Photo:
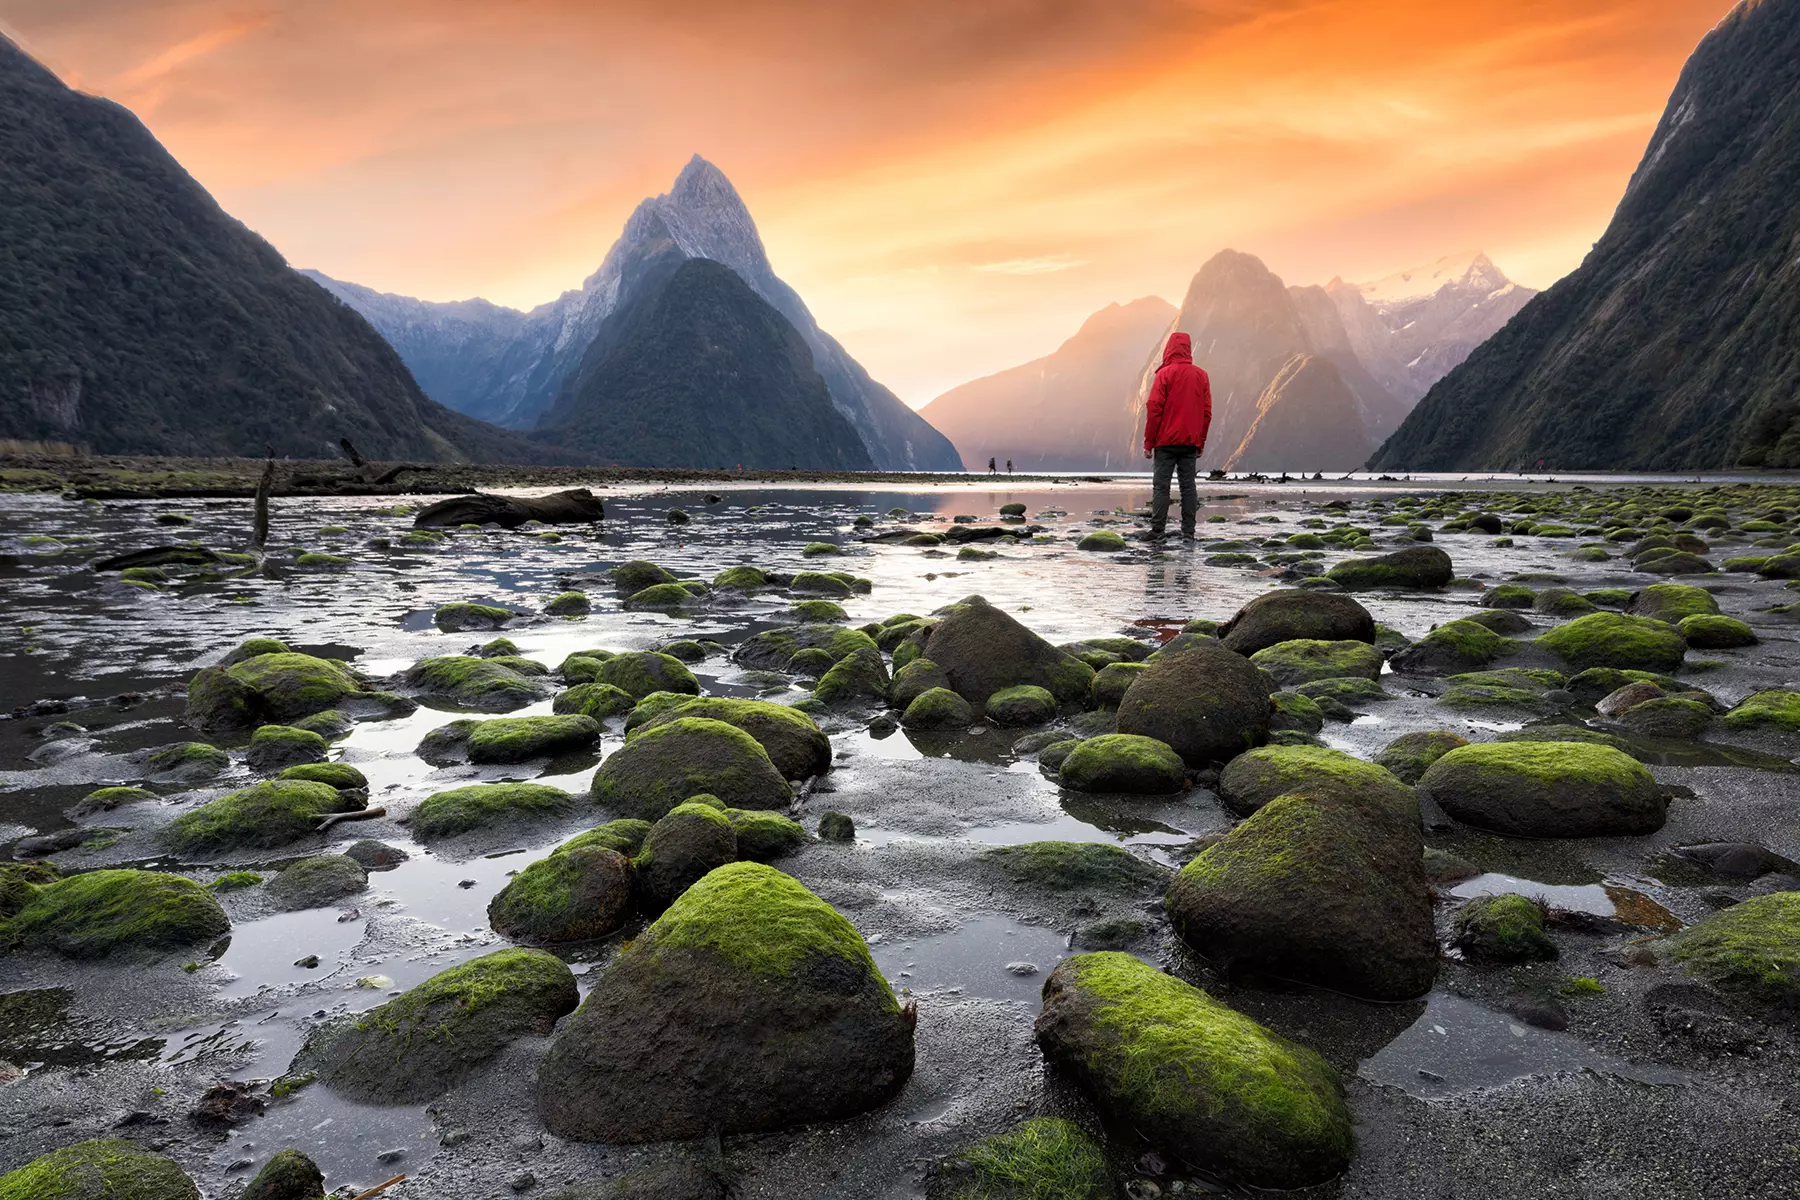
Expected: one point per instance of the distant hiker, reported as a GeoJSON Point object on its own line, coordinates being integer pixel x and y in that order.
{"type": "Point", "coordinates": [991, 467]}
{"type": "Point", "coordinates": [1009, 466]}
{"type": "Point", "coordinates": [1176, 419]}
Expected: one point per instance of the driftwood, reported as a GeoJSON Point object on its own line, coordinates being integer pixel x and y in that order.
{"type": "Point", "coordinates": [379, 1188]}
{"type": "Point", "coordinates": [361, 814]}
{"type": "Point", "coordinates": [575, 507]}
{"type": "Point", "coordinates": [160, 556]}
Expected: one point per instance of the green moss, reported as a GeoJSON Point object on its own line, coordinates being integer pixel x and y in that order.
{"type": "Point", "coordinates": [330, 724]}
{"type": "Point", "coordinates": [455, 618]}
{"type": "Point", "coordinates": [276, 746]}
{"type": "Point", "coordinates": [763, 835]}
{"type": "Point", "coordinates": [938, 708]}
{"type": "Point", "coordinates": [596, 700]}
{"type": "Point", "coordinates": [1407, 756]}
{"type": "Point", "coordinates": [1102, 541]}
{"type": "Point", "coordinates": [108, 798]}
{"type": "Point", "coordinates": [1713, 632]}
{"type": "Point", "coordinates": [740, 578]}
{"type": "Point", "coordinates": [1508, 595]}
{"type": "Point", "coordinates": [1608, 597]}
{"type": "Point", "coordinates": [1183, 1054]}
{"type": "Point", "coordinates": [819, 549]}
{"type": "Point", "coordinates": [102, 1169]}
{"type": "Point", "coordinates": [465, 989]}
{"type": "Point", "coordinates": [232, 881]}
{"type": "Point", "coordinates": [1045, 1158]}
{"type": "Point", "coordinates": [253, 648]}
{"type": "Point", "coordinates": [1123, 763]}
{"type": "Point", "coordinates": [1582, 986]}
{"type": "Point", "coordinates": [1065, 866]}
{"type": "Point", "coordinates": [641, 672]}
{"type": "Point", "coordinates": [635, 576]}
{"type": "Point", "coordinates": [1606, 639]}
{"type": "Point", "coordinates": [262, 816]}
{"type": "Point", "coordinates": [1549, 765]}
{"type": "Point", "coordinates": [662, 595]}
{"type": "Point", "coordinates": [1506, 928]}
{"type": "Point", "coordinates": [765, 923]}
{"type": "Point", "coordinates": [333, 774]}
{"type": "Point", "coordinates": [274, 686]}
{"type": "Point", "coordinates": [473, 682]}
{"type": "Point", "coordinates": [1024, 704]}
{"type": "Point", "coordinates": [1292, 711]}
{"type": "Point", "coordinates": [1344, 691]}
{"type": "Point", "coordinates": [1111, 682]}
{"type": "Point", "coordinates": [96, 913]}
{"type": "Point", "coordinates": [1672, 601]}
{"type": "Point", "coordinates": [1752, 948]}
{"type": "Point", "coordinates": [655, 705]}
{"type": "Point", "coordinates": [517, 739]}
{"type": "Point", "coordinates": [568, 604]}
{"type": "Point", "coordinates": [856, 678]}
{"type": "Point", "coordinates": [1775, 708]}
{"type": "Point", "coordinates": [462, 809]}
{"type": "Point", "coordinates": [1256, 777]}
{"type": "Point", "coordinates": [689, 756]}
{"type": "Point", "coordinates": [1305, 660]}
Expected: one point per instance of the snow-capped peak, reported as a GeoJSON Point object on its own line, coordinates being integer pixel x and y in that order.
{"type": "Point", "coordinates": [1471, 268]}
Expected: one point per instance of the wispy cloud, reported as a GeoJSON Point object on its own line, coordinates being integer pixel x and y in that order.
{"type": "Point", "coordinates": [1043, 265]}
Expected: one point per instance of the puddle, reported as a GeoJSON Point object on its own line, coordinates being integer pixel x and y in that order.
{"type": "Point", "coordinates": [1460, 1046]}
{"type": "Point", "coordinates": [1585, 898]}
{"type": "Point", "coordinates": [973, 960]}
{"type": "Point", "coordinates": [37, 1031]}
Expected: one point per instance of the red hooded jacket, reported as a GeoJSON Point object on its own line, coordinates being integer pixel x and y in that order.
{"type": "Point", "coordinates": [1179, 411]}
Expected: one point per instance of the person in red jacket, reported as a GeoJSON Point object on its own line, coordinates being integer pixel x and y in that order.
{"type": "Point", "coordinates": [1176, 419]}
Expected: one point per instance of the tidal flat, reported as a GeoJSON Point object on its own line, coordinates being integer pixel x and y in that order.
{"type": "Point", "coordinates": [1624, 1029]}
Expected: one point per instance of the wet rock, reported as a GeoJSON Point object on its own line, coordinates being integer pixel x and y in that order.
{"type": "Point", "coordinates": [819, 610]}
{"type": "Point", "coordinates": [56, 842]}
{"type": "Point", "coordinates": [1292, 712]}
{"type": "Point", "coordinates": [317, 881]}
{"type": "Point", "coordinates": [458, 618]}
{"type": "Point", "coordinates": [1112, 681]}
{"type": "Point", "coordinates": [521, 739]}
{"type": "Point", "coordinates": [1044, 1156]}
{"type": "Point", "coordinates": [275, 747]}
{"type": "Point", "coordinates": [268, 688]}
{"type": "Point", "coordinates": [596, 700]}
{"type": "Point", "coordinates": [1508, 595]}
{"type": "Point", "coordinates": [376, 856]}
{"type": "Point", "coordinates": [1503, 621]}
{"type": "Point", "coordinates": [1452, 649]}
{"type": "Point", "coordinates": [1296, 662]}
{"type": "Point", "coordinates": [1123, 763]}
{"type": "Point", "coordinates": [1596, 683]}
{"type": "Point", "coordinates": [102, 1169]}
{"type": "Point", "coordinates": [665, 597]}
{"type": "Point", "coordinates": [1750, 950]}
{"type": "Point", "coordinates": [836, 827]}
{"type": "Point", "coordinates": [626, 835]}
{"type": "Point", "coordinates": [1671, 717]}
{"type": "Point", "coordinates": [1101, 540]}
{"type": "Point", "coordinates": [1407, 756]}
{"type": "Point", "coordinates": [740, 578]}
{"type": "Point", "coordinates": [1441, 866]}
{"type": "Point", "coordinates": [289, 1175]}
{"type": "Point", "coordinates": [423, 1042]}
{"type": "Point", "coordinates": [774, 649]}
{"type": "Point", "coordinates": [1704, 632]}
{"type": "Point", "coordinates": [641, 672]}
{"type": "Point", "coordinates": [1614, 703]}
{"type": "Point", "coordinates": [1094, 867]}
{"type": "Point", "coordinates": [1545, 790]}
{"type": "Point", "coordinates": [750, 1005]}
{"type": "Point", "coordinates": [447, 744]}
{"type": "Point", "coordinates": [481, 805]}
{"type": "Point", "coordinates": [262, 816]}
{"type": "Point", "coordinates": [1734, 860]}
{"type": "Point", "coordinates": [226, 1105]}
{"type": "Point", "coordinates": [1562, 602]}
{"type": "Point", "coordinates": [106, 799]}
{"type": "Point", "coordinates": [1502, 929]}
{"type": "Point", "coordinates": [1342, 691]}
{"type": "Point", "coordinates": [682, 848]}
{"type": "Point", "coordinates": [578, 894]}
{"type": "Point", "coordinates": [477, 683]}
{"type": "Point", "coordinates": [689, 756]}
{"type": "Point", "coordinates": [1021, 705]}
{"type": "Point", "coordinates": [1293, 615]}
{"type": "Point", "coordinates": [859, 678]}
{"type": "Point", "coordinates": [341, 776]}
{"type": "Point", "coordinates": [664, 1181]}
{"type": "Point", "coordinates": [99, 913]}
{"type": "Point", "coordinates": [1254, 778]}
{"type": "Point", "coordinates": [577, 506]}
{"type": "Point", "coordinates": [916, 678]}
{"type": "Point", "coordinates": [568, 604]}
{"type": "Point", "coordinates": [1326, 888]}
{"type": "Point", "coordinates": [984, 650]}
{"type": "Point", "coordinates": [792, 740]}
{"type": "Point", "coordinates": [763, 836]}
{"type": "Point", "coordinates": [938, 709]}
{"type": "Point", "coordinates": [188, 762]}
{"type": "Point", "coordinates": [1200, 1082]}
{"type": "Point", "coordinates": [1206, 702]}
{"type": "Point", "coordinates": [1776, 708]}
{"type": "Point", "coordinates": [1416, 568]}
{"type": "Point", "coordinates": [1671, 602]}
{"type": "Point", "coordinates": [1606, 639]}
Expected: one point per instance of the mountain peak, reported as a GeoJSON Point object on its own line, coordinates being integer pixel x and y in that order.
{"type": "Point", "coordinates": [701, 180]}
{"type": "Point", "coordinates": [1471, 267]}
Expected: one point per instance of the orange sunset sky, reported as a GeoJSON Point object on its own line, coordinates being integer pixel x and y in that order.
{"type": "Point", "coordinates": [953, 185]}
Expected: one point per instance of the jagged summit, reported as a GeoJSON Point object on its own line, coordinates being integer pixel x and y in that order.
{"type": "Point", "coordinates": [1471, 270]}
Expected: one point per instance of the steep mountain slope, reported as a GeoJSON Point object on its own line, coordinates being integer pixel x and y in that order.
{"type": "Point", "coordinates": [696, 370]}
{"type": "Point", "coordinates": [1307, 419]}
{"type": "Point", "coordinates": [1676, 343]}
{"type": "Point", "coordinates": [513, 373]}
{"type": "Point", "coordinates": [137, 317]}
{"type": "Point", "coordinates": [1380, 409]}
{"type": "Point", "coordinates": [1066, 411]}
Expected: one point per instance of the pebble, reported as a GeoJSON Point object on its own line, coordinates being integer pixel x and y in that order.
{"type": "Point", "coordinates": [1021, 968]}
{"type": "Point", "coordinates": [522, 1182]}
{"type": "Point", "coordinates": [390, 1156]}
{"type": "Point", "coordinates": [309, 962]}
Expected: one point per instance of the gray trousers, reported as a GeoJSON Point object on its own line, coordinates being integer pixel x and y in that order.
{"type": "Point", "coordinates": [1169, 461]}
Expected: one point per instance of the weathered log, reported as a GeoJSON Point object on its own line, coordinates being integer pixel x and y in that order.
{"type": "Point", "coordinates": [574, 507]}
{"type": "Point", "coordinates": [160, 556]}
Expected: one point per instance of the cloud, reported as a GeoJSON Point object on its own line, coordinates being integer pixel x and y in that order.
{"type": "Point", "coordinates": [1043, 265]}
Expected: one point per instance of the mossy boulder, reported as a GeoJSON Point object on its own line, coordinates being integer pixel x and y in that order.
{"type": "Point", "coordinates": [939, 709]}
{"type": "Point", "coordinates": [568, 604]}
{"type": "Point", "coordinates": [1547, 790]}
{"type": "Point", "coordinates": [1201, 1083]}
{"type": "Point", "coordinates": [819, 584]}
{"type": "Point", "coordinates": [859, 678]}
{"type": "Point", "coordinates": [1112, 681]}
{"type": "Point", "coordinates": [101, 1169]}
{"type": "Point", "coordinates": [750, 1005]}
{"type": "Point", "coordinates": [261, 817]}
{"type": "Point", "coordinates": [641, 672]}
{"type": "Point", "coordinates": [476, 683]}
{"type": "Point", "coordinates": [267, 688]}
{"type": "Point", "coordinates": [1503, 621]}
{"type": "Point", "coordinates": [1607, 639]}
{"type": "Point", "coordinates": [1342, 691]}
{"type": "Point", "coordinates": [1502, 929]}
{"type": "Point", "coordinates": [1095, 867]}
{"type": "Point", "coordinates": [1416, 568]}
{"type": "Point", "coordinates": [683, 846]}
{"type": "Point", "coordinates": [99, 913]}
{"type": "Point", "coordinates": [580, 893]}
{"type": "Point", "coordinates": [1206, 702]}
{"type": "Point", "coordinates": [626, 835]}
{"type": "Point", "coordinates": [1562, 602]}
{"type": "Point", "coordinates": [740, 578]}
{"type": "Point", "coordinates": [984, 650]}
{"type": "Point", "coordinates": [462, 617]}
{"type": "Point", "coordinates": [1407, 756]}
{"type": "Point", "coordinates": [1672, 601]}
{"type": "Point", "coordinates": [1104, 541]}
{"type": "Point", "coordinates": [819, 610]}
{"type": "Point", "coordinates": [792, 740]}
{"type": "Point", "coordinates": [188, 762]}
{"type": "Point", "coordinates": [689, 756]}
{"type": "Point", "coordinates": [1774, 708]}
{"type": "Point", "coordinates": [1751, 950]}
{"type": "Point", "coordinates": [341, 776]}
{"type": "Point", "coordinates": [289, 1175]}
{"type": "Point", "coordinates": [1297, 615]}
{"type": "Point", "coordinates": [1508, 595]}
{"type": "Point", "coordinates": [763, 835]}
{"type": "Point", "coordinates": [596, 700]}
{"type": "Point", "coordinates": [774, 649]}
{"type": "Point", "coordinates": [1704, 631]}
{"type": "Point", "coordinates": [1254, 778]}
{"type": "Point", "coordinates": [480, 805]}
{"type": "Point", "coordinates": [274, 748]}
{"type": "Point", "coordinates": [1667, 717]}
{"type": "Point", "coordinates": [253, 647]}
{"type": "Point", "coordinates": [1452, 649]}
{"type": "Point", "coordinates": [431, 1037]}
{"type": "Point", "coordinates": [914, 680]}
{"type": "Point", "coordinates": [1303, 661]}
{"type": "Point", "coordinates": [636, 575]}
{"type": "Point", "coordinates": [1021, 705]}
{"type": "Point", "coordinates": [521, 739]}
{"type": "Point", "coordinates": [1044, 1158]}
{"type": "Point", "coordinates": [1123, 763]}
{"type": "Point", "coordinates": [662, 596]}
{"type": "Point", "coordinates": [1290, 712]}
{"type": "Point", "coordinates": [1323, 887]}
{"type": "Point", "coordinates": [322, 879]}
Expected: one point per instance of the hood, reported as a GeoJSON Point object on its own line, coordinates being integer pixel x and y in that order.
{"type": "Point", "coordinates": [1179, 350]}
